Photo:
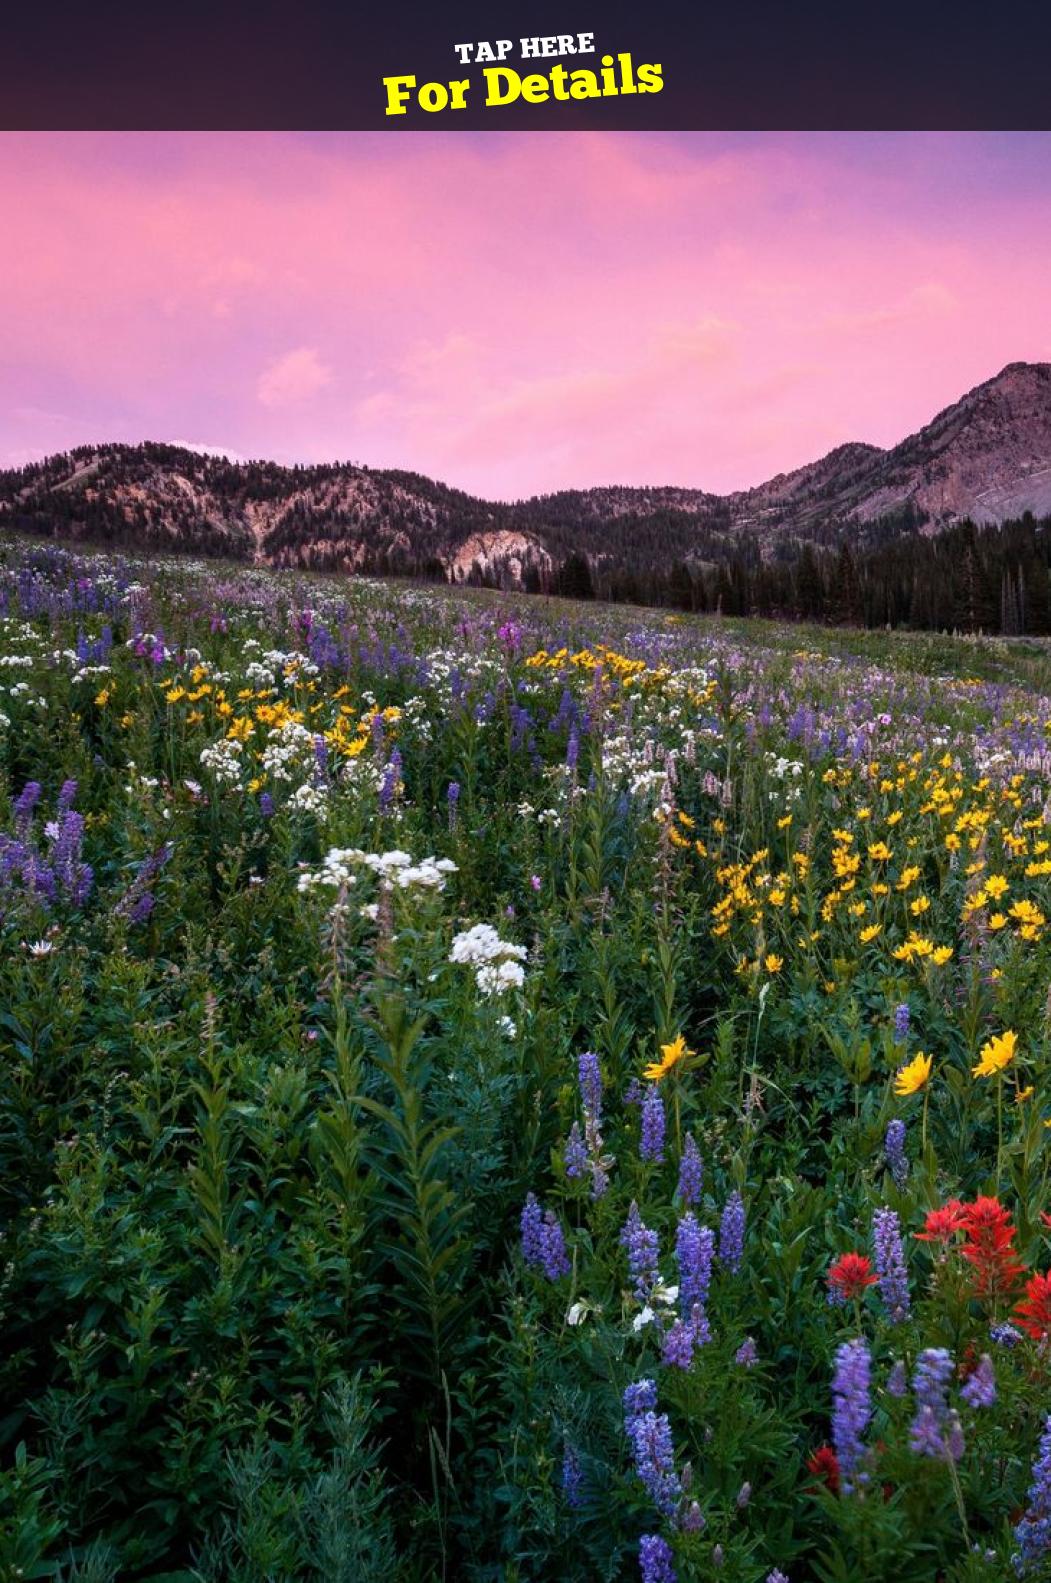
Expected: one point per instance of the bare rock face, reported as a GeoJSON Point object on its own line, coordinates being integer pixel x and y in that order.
{"type": "Point", "coordinates": [987, 458]}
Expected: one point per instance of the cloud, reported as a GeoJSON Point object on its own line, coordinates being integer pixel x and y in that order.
{"type": "Point", "coordinates": [515, 312]}
{"type": "Point", "coordinates": [202, 449]}
{"type": "Point", "coordinates": [293, 378]}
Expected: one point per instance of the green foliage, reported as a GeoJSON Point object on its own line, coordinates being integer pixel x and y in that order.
{"type": "Point", "coordinates": [268, 1118]}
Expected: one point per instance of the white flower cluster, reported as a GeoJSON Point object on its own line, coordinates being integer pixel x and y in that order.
{"type": "Point", "coordinates": [785, 769]}
{"type": "Point", "coordinates": [497, 963]}
{"type": "Point", "coordinates": [310, 799]}
{"type": "Point", "coordinates": [257, 675]}
{"type": "Point", "coordinates": [362, 772]}
{"type": "Point", "coordinates": [223, 758]}
{"type": "Point", "coordinates": [287, 748]}
{"type": "Point", "coordinates": [395, 870]}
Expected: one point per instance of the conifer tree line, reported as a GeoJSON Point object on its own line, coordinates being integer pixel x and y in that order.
{"type": "Point", "coordinates": [621, 546]}
{"type": "Point", "coordinates": [964, 579]}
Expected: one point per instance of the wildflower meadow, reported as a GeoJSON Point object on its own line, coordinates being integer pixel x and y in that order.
{"type": "Point", "coordinates": [501, 1089]}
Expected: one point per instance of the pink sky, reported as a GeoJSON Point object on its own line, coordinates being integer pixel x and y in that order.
{"type": "Point", "coordinates": [514, 313]}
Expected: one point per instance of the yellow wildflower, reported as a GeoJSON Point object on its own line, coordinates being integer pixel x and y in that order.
{"type": "Point", "coordinates": [671, 1055]}
{"type": "Point", "coordinates": [913, 1076]}
{"type": "Point", "coordinates": [995, 1055]}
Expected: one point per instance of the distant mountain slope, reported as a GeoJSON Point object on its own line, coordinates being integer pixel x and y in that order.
{"type": "Point", "coordinates": [986, 458]}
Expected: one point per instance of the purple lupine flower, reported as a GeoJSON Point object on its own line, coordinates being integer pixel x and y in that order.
{"type": "Point", "coordinates": [655, 1560]}
{"type": "Point", "coordinates": [138, 900]}
{"type": "Point", "coordinates": [890, 1264]}
{"type": "Point", "coordinates": [894, 1152]}
{"type": "Point", "coordinates": [452, 797]}
{"type": "Point", "coordinates": [677, 1346]}
{"type": "Point", "coordinates": [266, 805]}
{"type": "Point", "coordinates": [930, 1384]}
{"type": "Point", "coordinates": [925, 1433]}
{"type": "Point", "coordinates": [954, 1441]}
{"type": "Point", "coordinates": [651, 1138]}
{"type": "Point", "coordinates": [693, 1518]}
{"type": "Point", "coordinates": [731, 1233]}
{"type": "Point", "coordinates": [777, 1576]}
{"type": "Point", "coordinates": [694, 1252]}
{"type": "Point", "coordinates": [589, 1080]}
{"type": "Point", "coordinates": [599, 1163]}
{"type": "Point", "coordinates": [901, 1022]}
{"type": "Point", "coordinates": [142, 909]}
{"type": "Point", "coordinates": [1033, 1531]}
{"type": "Point", "coordinates": [1005, 1335]}
{"type": "Point", "coordinates": [654, 1456]}
{"type": "Point", "coordinates": [572, 1476]}
{"type": "Point", "coordinates": [575, 1154]}
{"type": "Point", "coordinates": [979, 1389]}
{"type": "Point", "coordinates": [639, 1398]}
{"type": "Point", "coordinates": [391, 777]}
{"type": "Point", "coordinates": [24, 805]}
{"type": "Point", "coordinates": [572, 750]}
{"type": "Point", "coordinates": [897, 1381]}
{"type": "Point", "coordinates": [633, 1092]}
{"type": "Point", "coordinates": [532, 1228]}
{"type": "Point", "coordinates": [643, 1250]}
{"type": "Point", "coordinates": [67, 797]}
{"type": "Point", "coordinates": [851, 1411]}
{"type": "Point", "coordinates": [589, 1076]}
{"type": "Point", "coordinates": [691, 1172]}
{"type": "Point", "coordinates": [747, 1354]}
{"type": "Point", "coordinates": [74, 876]}
{"type": "Point", "coordinates": [553, 1255]}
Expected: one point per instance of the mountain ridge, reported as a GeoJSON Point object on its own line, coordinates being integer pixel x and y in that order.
{"type": "Point", "coordinates": [984, 458]}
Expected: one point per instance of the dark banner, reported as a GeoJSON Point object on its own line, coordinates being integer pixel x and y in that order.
{"type": "Point", "coordinates": [571, 65]}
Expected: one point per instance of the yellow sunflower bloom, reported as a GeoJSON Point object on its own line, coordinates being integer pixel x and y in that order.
{"type": "Point", "coordinates": [671, 1055]}
{"type": "Point", "coordinates": [913, 1076]}
{"type": "Point", "coordinates": [995, 1055]}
